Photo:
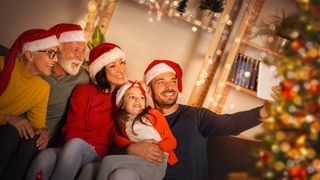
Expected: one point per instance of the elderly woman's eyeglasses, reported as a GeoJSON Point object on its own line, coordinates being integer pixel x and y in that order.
{"type": "Point", "coordinates": [51, 53]}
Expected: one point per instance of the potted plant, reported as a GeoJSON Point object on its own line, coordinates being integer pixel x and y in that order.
{"type": "Point", "coordinates": [277, 31]}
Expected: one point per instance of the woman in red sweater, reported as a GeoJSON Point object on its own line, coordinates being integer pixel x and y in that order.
{"type": "Point", "coordinates": [90, 117]}
{"type": "Point", "coordinates": [135, 123]}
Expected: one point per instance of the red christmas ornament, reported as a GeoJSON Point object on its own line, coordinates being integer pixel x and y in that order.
{"type": "Point", "coordinates": [297, 173]}
{"type": "Point", "coordinates": [314, 87]}
{"type": "Point", "coordinates": [315, 10]}
{"type": "Point", "coordinates": [297, 44]}
{"type": "Point", "coordinates": [266, 157]}
{"type": "Point", "coordinates": [288, 83]}
{"type": "Point", "coordinates": [314, 108]}
{"type": "Point", "coordinates": [288, 94]}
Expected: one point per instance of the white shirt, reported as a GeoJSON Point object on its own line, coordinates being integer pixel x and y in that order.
{"type": "Point", "coordinates": [142, 131]}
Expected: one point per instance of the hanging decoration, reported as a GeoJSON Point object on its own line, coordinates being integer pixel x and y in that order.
{"type": "Point", "coordinates": [182, 6]}
{"type": "Point", "coordinates": [97, 38]}
{"type": "Point", "coordinates": [177, 9]}
{"type": "Point", "coordinates": [216, 6]}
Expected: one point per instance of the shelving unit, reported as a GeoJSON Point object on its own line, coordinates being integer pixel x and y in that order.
{"type": "Point", "coordinates": [239, 44]}
{"type": "Point", "coordinates": [241, 89]}
{"type": "Point", "coordinates": [256, 46]}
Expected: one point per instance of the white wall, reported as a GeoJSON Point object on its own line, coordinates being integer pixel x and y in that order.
{"type": "Point", "coordinates": [18, 15]}
{"type": "Point", "coordinates": [166, 39]}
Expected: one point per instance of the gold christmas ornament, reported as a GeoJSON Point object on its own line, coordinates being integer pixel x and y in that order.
{"type": "Point", "coordinates": [293, 153]}
{"type": "Point", "coordinates": [279, 166]}
{"type": "Point", "coordinates": [311, 153]}
{"type": "Point", "coordinates": [280, 136]}
{"type": "Point", "coordinates": [314, 136]}
{"type": "Point", "coordinates": [313, 52]}
{"type": "Point", "coordinates": [285, 146]}
{"type": "Point", "coordinates": [297, 100]}
{"type": "Point", "coordinates": [275, 148]}
{"type": "Point", "coordinates": [301, 140]}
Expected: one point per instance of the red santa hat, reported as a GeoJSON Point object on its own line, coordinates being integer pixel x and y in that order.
{"type": "Point", "coordinates": [30, 40]}
{"type": "Point", "coordinates": [123, 89]}
{"type": "Point", "coordinates": [157, 67]}
{"type": "Point", "coordinates": [102, 55]}
{"type": "Point", "coordinates": [68, 33]}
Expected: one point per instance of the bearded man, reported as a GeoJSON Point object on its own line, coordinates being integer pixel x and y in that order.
{"type": "Point", "coordinates": [66, 74]}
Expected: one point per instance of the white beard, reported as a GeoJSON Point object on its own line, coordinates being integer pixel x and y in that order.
{"type": "Point", "coordinates": [67, 65]}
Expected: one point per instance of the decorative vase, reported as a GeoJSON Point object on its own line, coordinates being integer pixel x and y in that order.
{"type": "Point", "coordinates": [277, 43]}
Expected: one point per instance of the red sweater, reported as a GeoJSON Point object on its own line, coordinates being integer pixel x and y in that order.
{"type": "Point", "coordinates": [168, 143]}
{"type": "Point", "coordinates": [91, 117]}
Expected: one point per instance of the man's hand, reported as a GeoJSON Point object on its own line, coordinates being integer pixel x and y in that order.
{"type": "Point", "coordinates": [264, 112]}
{"type": "Point", "coordinates": [22, 125]}
{"type": "Point", "coordinates": [275, 92]}
{"type": "Point", "coordinates": [43, 139]}
{"type": "Point", "coordinates": [147, 149]}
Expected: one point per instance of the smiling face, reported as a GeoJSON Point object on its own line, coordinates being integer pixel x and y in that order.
{"type": "Point", "coordinates": [165, 90]}
{"type": "Point", "coordinates": [116, 73]}
{"type": "Point", "coordinates": [72, 56]}
{"type": "Point", "coordinates": [42, 61]}
{"type": "Point", "coordinates": [134, 102]}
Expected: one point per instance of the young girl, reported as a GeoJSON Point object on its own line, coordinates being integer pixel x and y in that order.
{"type": "Point", "coordinates": [136, 122]}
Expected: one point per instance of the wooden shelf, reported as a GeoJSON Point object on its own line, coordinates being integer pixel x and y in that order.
{"type": "Point", "coordinates": [242, 89]}
{"type": "Point", "coordinates": [254, 45]}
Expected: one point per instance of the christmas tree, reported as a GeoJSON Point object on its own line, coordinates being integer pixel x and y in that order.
{"type": "Point", "coordinates": [291, 141]}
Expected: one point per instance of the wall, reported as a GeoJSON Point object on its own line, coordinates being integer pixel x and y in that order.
{"type": "Point", "coordinates": [19, 15]}
{"type": "Point", "coordinates": [166, 39]}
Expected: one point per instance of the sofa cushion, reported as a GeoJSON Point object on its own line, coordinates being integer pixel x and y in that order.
{"type": "Point", "coordinates": [230, 154]}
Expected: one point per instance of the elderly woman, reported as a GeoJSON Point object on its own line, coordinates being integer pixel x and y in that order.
{"type": "Point", "coordinates": [90, 118]}
{"type": "Point", "coordinates": [23, 100]}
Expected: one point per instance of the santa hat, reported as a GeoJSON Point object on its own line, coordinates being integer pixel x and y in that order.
{"type": "Point", "coordinates": [30, 40]}
{"type": "Point", "coordinates": [157, 67]}
{"type": "Point", "coordinates": [68, 33]}
{"type": "Point", "coordinates": [102, 55]}
{"type": "Point", "coordinates": [123, 89]}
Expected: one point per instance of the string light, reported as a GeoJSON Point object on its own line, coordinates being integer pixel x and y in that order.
{"type": "Point", "coordinates": [169, 8]}
{"type": "Point", "coordinates": [194, 28]}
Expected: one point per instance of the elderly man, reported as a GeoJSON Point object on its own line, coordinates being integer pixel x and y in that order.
{"type": "Point", "coordinates": [191, 126]}
{"type": "Point", "coordinates": [66, 74]}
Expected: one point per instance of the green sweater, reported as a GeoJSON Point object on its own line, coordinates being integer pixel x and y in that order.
{"type": "Point", "coordinates": [58, 100]}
